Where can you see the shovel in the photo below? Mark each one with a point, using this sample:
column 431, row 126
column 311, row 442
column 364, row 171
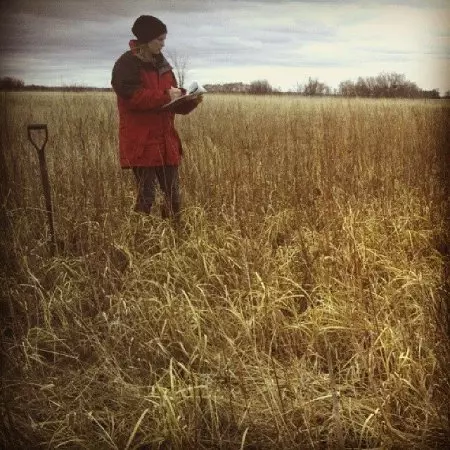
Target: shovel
column 33, row 129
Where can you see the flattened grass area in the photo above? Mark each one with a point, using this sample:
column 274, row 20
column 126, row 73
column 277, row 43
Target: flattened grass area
column 302, row 303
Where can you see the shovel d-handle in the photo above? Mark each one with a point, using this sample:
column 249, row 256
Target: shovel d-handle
column 39, row 127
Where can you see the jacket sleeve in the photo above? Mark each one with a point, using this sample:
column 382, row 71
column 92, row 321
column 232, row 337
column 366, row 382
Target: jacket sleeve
column 126, row 82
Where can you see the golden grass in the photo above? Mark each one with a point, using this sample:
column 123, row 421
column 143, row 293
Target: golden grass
column 301, row 305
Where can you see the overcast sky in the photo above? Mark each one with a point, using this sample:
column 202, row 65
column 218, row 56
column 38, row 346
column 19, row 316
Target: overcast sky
column 56, row 42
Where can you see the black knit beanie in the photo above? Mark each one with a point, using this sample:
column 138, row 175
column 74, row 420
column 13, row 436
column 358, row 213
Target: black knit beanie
column 147, row 28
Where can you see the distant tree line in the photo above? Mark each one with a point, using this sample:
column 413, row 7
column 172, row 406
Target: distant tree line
column 11, row 84
column 16, row 84
column 384, row 85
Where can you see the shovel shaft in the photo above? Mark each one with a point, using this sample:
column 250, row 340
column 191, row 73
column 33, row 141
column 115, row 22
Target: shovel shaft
column 45, row 179
column 47, row 197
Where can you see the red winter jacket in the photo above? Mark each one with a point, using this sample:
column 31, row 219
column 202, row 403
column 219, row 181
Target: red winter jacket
column 147, row 136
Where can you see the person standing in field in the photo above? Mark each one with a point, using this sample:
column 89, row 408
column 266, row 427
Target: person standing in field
column 149, row 144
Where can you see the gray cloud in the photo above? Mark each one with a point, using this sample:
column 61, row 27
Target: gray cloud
column 49, row 39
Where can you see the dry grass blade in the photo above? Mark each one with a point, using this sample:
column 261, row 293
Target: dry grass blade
column 136, row 428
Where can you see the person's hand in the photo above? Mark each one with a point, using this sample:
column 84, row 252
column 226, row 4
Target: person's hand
column 174, row 93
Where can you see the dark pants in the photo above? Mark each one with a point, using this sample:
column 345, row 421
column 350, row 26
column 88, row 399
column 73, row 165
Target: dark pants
column 167, row 177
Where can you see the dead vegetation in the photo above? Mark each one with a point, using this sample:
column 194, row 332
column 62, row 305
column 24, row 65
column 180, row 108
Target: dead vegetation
column 301, row 305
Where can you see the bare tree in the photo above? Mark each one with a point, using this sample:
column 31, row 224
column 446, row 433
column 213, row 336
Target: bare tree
column 315, row 87
column 260, row 87
column 347, row 88
column 383, row 85
column 180, row 64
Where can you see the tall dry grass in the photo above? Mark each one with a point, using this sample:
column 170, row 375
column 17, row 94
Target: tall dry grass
column 301, row 305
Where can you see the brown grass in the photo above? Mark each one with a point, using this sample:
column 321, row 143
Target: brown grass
column 302, row 305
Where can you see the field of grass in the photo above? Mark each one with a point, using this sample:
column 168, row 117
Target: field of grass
column 302, row 304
